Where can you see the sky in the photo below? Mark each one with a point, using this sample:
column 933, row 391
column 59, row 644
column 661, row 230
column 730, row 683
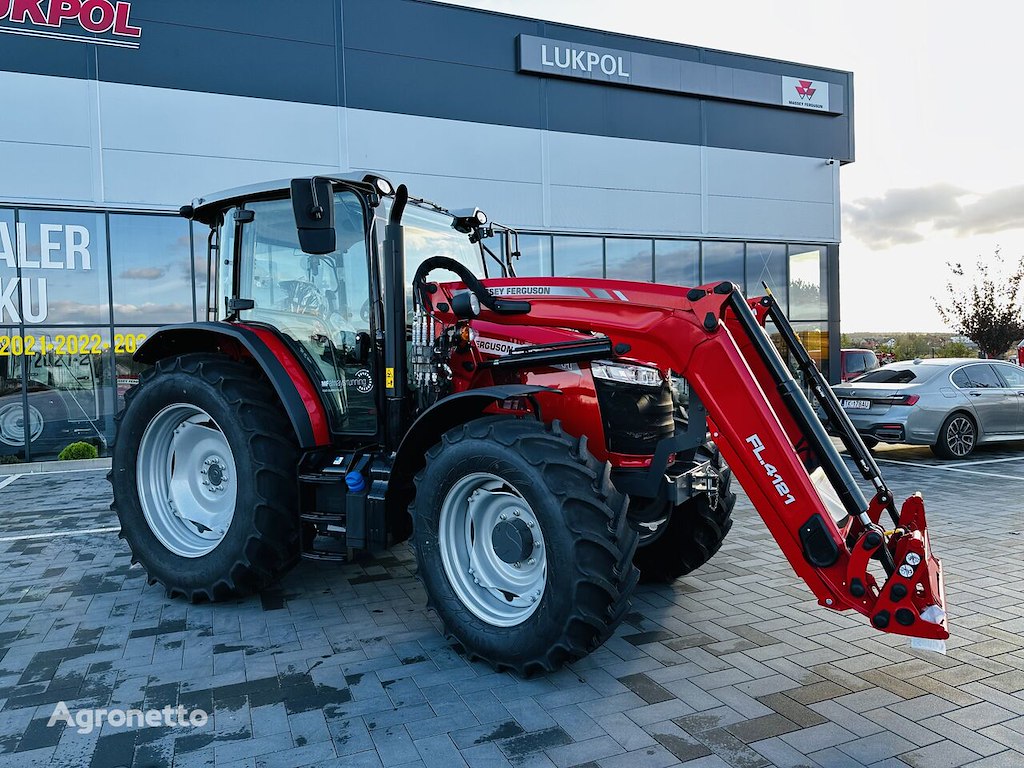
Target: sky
column 939, row 126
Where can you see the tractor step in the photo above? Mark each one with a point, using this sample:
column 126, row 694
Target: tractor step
column 322, row 496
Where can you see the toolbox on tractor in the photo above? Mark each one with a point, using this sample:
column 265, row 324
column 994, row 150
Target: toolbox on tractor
column 371, row 371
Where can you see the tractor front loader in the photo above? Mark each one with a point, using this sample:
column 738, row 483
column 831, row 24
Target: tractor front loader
column 546, row 442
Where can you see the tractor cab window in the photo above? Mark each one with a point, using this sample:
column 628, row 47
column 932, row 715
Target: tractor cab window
column 322, row 303
column 429, row 233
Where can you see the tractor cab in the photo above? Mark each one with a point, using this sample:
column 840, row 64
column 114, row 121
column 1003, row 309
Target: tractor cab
column 318, row 280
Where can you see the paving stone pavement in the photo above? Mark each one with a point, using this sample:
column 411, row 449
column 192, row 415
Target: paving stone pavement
column 734, row 665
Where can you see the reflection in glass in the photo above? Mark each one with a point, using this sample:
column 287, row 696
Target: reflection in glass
column 126, row 369
column 814, row 336
column 677, row 262
column 578, row 256
column 10, row 297
column 63, row 257
column 628, row 259
column 766, row 262
column 151, row 267
column 807, row 281
column 723, row 261
column 69, row 394
column 534, row 256
column 13, row 424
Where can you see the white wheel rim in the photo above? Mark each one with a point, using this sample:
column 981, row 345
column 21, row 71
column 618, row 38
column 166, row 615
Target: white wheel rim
column 187, row 480
column 479, row 514
column 12, row 424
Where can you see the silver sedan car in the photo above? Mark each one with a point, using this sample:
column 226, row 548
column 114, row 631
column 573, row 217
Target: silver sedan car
column 950, row 404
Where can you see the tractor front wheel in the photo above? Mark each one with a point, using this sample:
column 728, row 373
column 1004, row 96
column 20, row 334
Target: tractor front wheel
column 204, row 478
column 522, row 543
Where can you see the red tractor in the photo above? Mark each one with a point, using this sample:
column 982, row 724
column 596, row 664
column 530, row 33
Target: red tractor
column 544, row 441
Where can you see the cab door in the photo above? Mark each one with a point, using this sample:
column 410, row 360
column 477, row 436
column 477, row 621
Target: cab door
column 319, row 304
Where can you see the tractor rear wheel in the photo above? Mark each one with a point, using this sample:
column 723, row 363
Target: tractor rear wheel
column 204, row 478
column 522, row 543
column 693, row 534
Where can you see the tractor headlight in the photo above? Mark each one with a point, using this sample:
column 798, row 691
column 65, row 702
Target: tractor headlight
column 622, row 373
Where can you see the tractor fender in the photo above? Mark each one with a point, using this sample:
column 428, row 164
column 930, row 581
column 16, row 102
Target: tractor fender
column 427, row 430
column 296, row 391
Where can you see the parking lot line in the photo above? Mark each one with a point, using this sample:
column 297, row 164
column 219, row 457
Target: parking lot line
column 54, row 534
column 8, row 480
column 989, row 461
column 950, row 469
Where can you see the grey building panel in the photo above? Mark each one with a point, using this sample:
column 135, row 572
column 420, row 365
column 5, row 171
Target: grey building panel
column 744, row 126
column 504, row 201
column 49, row 110
column 736, row 173
column 407, row 85
column 374, row 54
column 624, row 164
column 466, row 151
column 170, row 180
column 587, row 209
column 214, row 125
column 759, row 218
column 455, row 35
column 265, row 18
column 197, row 58
column 45, row 172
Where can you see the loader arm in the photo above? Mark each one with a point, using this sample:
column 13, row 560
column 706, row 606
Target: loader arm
column 766, row 430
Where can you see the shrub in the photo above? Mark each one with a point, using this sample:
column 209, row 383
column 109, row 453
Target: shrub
column 78, row 451
column 11, row 459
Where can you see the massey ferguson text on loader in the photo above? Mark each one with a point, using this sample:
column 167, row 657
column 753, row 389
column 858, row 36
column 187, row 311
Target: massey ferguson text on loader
column 545, row 442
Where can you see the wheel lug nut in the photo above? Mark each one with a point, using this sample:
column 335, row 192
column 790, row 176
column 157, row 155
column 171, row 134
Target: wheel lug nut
column 529, row 523
column 515, row 512
column 532, row 561
column 502, row 516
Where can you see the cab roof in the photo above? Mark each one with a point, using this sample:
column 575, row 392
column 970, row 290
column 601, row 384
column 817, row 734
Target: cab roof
column 207, row 207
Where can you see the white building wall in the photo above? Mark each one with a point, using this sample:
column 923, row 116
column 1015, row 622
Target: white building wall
column 83, row 142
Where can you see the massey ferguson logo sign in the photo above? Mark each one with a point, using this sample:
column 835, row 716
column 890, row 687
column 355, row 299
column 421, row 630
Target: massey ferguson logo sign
column 68, row 19
column 805, row 94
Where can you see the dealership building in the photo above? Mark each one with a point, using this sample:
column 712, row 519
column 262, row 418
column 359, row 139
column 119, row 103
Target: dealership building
column 612, row 156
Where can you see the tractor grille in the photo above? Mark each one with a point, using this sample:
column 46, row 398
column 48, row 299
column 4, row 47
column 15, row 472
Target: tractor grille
column 635, row 418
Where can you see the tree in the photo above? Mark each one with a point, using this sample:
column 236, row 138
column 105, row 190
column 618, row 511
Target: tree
column 985, row 305
column 955, row 349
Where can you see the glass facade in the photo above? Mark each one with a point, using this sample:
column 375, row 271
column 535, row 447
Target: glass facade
column 797, row 274
column 81, row 290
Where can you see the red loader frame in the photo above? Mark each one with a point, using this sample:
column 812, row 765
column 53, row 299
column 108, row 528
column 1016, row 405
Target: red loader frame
column 764, row 426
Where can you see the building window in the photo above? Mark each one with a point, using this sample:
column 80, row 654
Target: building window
column 534, row 256
column 677, row 262
column 578, row 256
column 629, row 259
column 808, row 281
column 63, row 260
column 766, row 263
column 723, row 261
column 151, row 269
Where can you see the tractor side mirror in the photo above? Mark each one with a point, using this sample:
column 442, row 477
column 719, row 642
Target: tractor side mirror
column 313, row 206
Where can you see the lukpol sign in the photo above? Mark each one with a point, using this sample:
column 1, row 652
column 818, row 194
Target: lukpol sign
column 560, row 58
column 60, row 19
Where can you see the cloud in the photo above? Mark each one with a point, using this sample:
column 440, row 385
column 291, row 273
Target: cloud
column 902, row 216
column 994, row 212
column 143, row 273
column 893, row 218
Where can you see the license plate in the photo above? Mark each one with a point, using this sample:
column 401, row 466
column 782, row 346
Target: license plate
column 856, row 405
